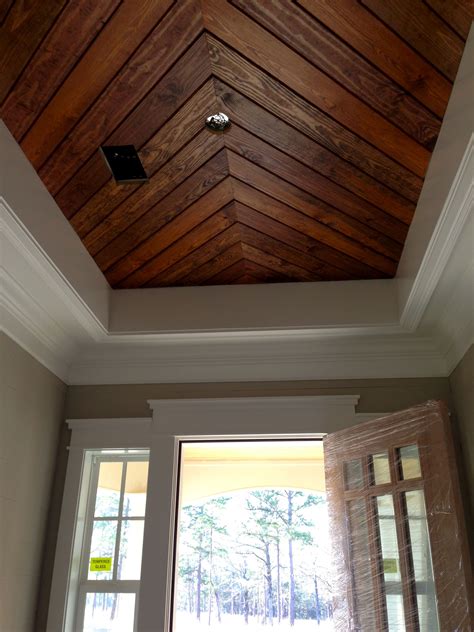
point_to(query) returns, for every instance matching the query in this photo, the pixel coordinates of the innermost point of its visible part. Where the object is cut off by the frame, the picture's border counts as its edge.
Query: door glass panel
(421, 560)
(410, 462)
(131, 544)
(104, 534)
(108, 490)
(379, 468)
(390, 562)
(109, 612)
(362, 586)
(135, 489)
(353, 474)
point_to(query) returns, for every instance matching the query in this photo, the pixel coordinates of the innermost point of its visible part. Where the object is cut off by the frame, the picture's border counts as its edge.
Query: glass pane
(410, 462)
(109, 612)
(135, 488)
(108, 490)
(364, 611)
(390, 562)
(104, 534)
(421, 559)
(131, 543)
(380, 468)
(353, 474)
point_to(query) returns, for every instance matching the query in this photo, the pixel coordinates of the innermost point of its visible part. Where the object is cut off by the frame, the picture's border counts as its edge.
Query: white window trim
(173, 421)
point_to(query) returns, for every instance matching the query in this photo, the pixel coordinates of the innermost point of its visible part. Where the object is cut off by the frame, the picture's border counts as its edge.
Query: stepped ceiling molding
(336, 106)
(91, 328)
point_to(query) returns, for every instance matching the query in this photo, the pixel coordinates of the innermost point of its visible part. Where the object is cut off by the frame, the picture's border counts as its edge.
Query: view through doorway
(253, 546)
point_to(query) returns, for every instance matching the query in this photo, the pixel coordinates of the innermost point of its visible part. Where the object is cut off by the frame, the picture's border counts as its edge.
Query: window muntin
(110, 567)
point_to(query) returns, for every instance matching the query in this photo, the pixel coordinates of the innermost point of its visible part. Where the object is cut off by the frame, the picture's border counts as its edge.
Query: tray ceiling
(335, 107)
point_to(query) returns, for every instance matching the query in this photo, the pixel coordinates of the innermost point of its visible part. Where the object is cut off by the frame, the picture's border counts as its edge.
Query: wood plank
(267, 52)
(246, 279)
(292, 142)
(422, 29)
(203, 255)
(282, 234)
(25, 25)
(459, 14)
(337, 60)
(122, 105)
(165, 258)
(275, 97)
(370, 37)
(282, 165)
(221, 260)
(169, 139)
(337, 229)
(229, 275)
(127, 28)
(265, 274)
(286, 253)
(52, 62)
(302, 224)
(276, 263)
(5, 6)
(192, 156)
(186, 194)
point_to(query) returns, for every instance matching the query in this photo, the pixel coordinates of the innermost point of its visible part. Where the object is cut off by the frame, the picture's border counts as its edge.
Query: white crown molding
(455, 213)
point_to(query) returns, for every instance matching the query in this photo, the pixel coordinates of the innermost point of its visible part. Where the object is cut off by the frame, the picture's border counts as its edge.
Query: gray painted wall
(462, 388)
(31, 412)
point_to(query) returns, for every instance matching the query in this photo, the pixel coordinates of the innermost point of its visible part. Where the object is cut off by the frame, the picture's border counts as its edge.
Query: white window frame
(173, 421)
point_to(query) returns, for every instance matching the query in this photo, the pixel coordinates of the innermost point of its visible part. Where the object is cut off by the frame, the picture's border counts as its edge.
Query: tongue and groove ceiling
(335, 107)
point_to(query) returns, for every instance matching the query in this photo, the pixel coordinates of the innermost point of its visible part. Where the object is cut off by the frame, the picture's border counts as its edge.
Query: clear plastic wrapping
(401, 555)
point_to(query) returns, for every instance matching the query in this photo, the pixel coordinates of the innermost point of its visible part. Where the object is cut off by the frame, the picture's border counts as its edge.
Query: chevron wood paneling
(335, 105)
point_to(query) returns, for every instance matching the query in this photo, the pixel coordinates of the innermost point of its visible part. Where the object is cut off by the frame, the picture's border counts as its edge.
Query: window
(110, 566)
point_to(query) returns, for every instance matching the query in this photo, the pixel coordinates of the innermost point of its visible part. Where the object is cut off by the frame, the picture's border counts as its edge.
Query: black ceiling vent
(124, 163)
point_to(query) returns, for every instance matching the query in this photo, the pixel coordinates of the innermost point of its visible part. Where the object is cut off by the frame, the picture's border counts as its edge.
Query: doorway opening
(253, 547)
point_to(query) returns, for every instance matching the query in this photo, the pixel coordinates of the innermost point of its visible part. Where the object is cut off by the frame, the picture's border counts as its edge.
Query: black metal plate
(124, 163)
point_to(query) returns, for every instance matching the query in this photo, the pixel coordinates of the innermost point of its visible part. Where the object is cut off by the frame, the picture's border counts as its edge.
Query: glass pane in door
(387, 530)
(109, 612)
(421, 561)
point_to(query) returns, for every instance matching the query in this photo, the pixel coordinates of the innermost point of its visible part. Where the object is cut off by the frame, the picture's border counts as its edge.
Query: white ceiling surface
(56, 303)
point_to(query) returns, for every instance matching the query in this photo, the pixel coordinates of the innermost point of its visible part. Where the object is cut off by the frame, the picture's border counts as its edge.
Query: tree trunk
(291, 605)
(199, 582)
(210, 580)
(278, 581)
(316, 597)
(268, 577)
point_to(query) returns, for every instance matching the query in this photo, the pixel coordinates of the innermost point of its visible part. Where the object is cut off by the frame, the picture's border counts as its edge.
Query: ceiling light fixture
(218, 122)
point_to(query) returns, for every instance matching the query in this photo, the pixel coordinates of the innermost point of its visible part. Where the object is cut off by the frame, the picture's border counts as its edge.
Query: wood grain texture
(129, 25)
(323, 49)
(317, 88)
(53, 61)
(104, 124)
(459, 14)
(167, 256)
(334, 229)
(275, 97)
(424, 30)
(370, 37)
(160, 149)
(218, 253)
(262, 124)
(23, 28)
(301, 223)
(335, 108)
(192, 193)
(292, 171)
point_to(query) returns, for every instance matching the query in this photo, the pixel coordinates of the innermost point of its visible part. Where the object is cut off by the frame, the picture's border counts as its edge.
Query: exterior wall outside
(31, 407)
(462, 388)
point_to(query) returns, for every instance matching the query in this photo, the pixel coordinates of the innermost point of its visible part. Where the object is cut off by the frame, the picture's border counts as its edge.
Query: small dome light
(218, 122)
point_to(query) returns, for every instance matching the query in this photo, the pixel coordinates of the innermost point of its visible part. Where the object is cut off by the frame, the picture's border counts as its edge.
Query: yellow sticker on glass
(390, 565)
(100, 564)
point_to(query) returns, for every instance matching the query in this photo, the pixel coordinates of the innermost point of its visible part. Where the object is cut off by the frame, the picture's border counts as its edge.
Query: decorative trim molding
(456, 210)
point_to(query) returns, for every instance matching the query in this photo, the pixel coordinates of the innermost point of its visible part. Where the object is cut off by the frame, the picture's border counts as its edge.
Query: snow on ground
(235, 623)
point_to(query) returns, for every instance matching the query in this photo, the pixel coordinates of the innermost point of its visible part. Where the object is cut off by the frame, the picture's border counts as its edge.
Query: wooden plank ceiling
(335, 107)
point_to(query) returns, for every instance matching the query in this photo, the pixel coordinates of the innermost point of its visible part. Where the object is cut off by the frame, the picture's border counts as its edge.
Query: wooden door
(400, 545)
